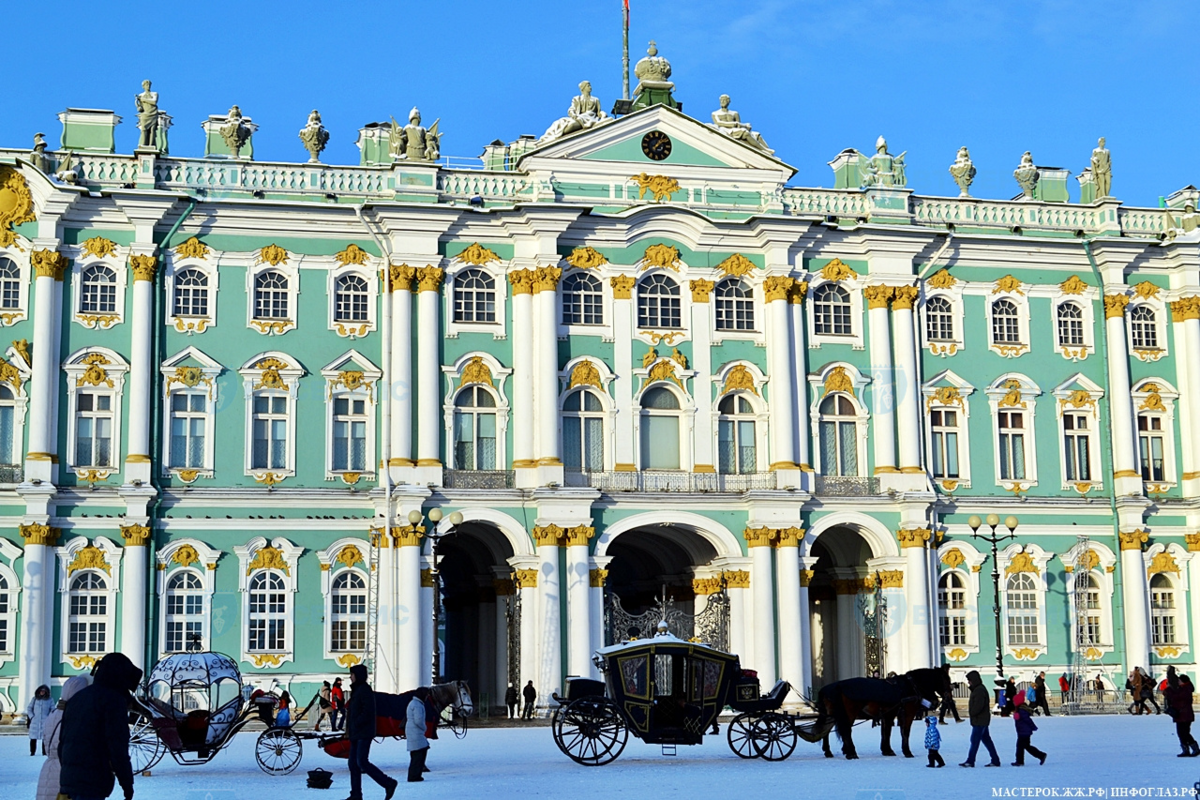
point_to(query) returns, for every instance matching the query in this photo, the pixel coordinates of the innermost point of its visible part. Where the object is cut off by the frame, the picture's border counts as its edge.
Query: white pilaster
(1186, 313)
(37, 604)
(807, 564)
(780, 362)
(907, 382)
(135, 573)
(429, 390)
(545, 303)
(623, 333)
(549, 675)
(425, 620)
(793, 628)
(47, 305)
(579, 615)
(525, 570)
(401, 377)
(762, 593)
(522, 377)
(386, 676)
(143, 266)
(704, 436)
(596, 601)
(1137, 603)
(917, 620)
(1126, 476)
(883, 428)
(848, 635)
(799, 384)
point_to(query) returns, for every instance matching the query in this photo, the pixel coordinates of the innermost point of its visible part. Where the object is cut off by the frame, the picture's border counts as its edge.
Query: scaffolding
(1085, 636)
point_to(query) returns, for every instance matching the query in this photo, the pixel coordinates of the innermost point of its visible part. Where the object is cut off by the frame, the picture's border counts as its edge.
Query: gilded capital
(144, 267)
(135, 535)
(597, 577)
(1193, 542)
(777, 287)
(1114, 305)
(35, 533)
(549, 535)
(401, 276)
(798, 292)
(622, 286)
(429, 279)
(892, 579)
(1186, 308)
(579, 535)
(914, 537)
(525, 578)
(736, 578)
(1133, 540)
(706, 586)
(545, 279)
(701, 289)
(759, 537)
(408, 535)
(521, 280)
(877, 296)
(904, 297)
(789, 537)
(806, 577)
(48, 264)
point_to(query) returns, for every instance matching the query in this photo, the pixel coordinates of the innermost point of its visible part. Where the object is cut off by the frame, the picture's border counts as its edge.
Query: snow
(1096, 753)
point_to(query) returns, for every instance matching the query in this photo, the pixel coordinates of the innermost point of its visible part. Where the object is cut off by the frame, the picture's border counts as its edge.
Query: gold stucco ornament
(16, 204)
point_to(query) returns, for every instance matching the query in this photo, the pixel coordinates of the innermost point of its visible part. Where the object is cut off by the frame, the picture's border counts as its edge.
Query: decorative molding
(1186, 308)
(1021, 562)
(1114, 305)
(1008, 284)
(1167, 651)
(476, 371)
(942, 279)
(1025, 654)
(663, 256)
(477, 255)
(89, 557)
(99, 247)
(891, 578)
(268, 557)
(837, 270)
(272, 254)
(1162, 562)
(193, 248)
(16, 204)
(739, 378)
(1073, 285)
(185, 556)
(353, 254)
(585, 373)
(957, 654)
(660, 186)
(737, 265)
(663, 370)
(144, 267)
(1012, 398)
(1146, 290)
(350, 555)
(701, 289)
(586, 258)
(261, 660)
(839, 381)
(706, 586)
(622, 286)
(946, 396)
(347, 660)
(954, 558)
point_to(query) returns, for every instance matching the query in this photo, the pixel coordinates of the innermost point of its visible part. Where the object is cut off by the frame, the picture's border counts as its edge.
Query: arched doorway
(838, 639)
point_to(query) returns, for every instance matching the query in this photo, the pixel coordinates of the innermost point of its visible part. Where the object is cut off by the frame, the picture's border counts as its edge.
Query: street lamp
(435, 538)
(993, 520)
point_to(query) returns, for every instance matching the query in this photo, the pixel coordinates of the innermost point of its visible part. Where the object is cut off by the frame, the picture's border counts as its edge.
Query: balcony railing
(477, 479)
(670, 481)
(842, 486)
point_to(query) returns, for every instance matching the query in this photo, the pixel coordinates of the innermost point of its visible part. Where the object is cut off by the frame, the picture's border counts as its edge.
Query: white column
(428, 634)
(1186, 313)
(1125, 468)
(704, 437)
(385, 673)
(522, 363)
(549, 674)
(48, 269)
(504, 594)
(37, 605)
(1137, 605)
(907, 383)
(883, 429)
(916, 597)
(143, 267)
(429, 389)
(546, 381)
(135, 573)
(402, 382)
(579, 616)
(807, 563)
(738, 586)
(623, 441)
(411, 616)
(799, 371)
(762, 594)
(780, 381)
(792, 626)
(598, 574)
(526, 581)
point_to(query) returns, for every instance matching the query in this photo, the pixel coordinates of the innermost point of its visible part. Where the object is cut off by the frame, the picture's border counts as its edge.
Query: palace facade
(652, 377)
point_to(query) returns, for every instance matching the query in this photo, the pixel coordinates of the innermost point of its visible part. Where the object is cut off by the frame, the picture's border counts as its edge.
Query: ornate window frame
(743, 378)
(103, 371)
(954, 397)
(352, 330)
(352, 376)
(1016, 295)
(953, 294)
(962, 558)
(1153, 300)
(671, 336)
(1078, 394)
(19, 257)
(686, 414)
(337, 559)
(195, 556)
(188, 324)
(588, 372)
(757, 304)
(497, 271)
(604, 329)
(850, 382)
(1000, 395)
(177, 377)
(1157, 396)
(1172, 560)
(1033, 559)
(113, 261)
(11, 553)
(853, 285)
(288, 267)
(477, 368)
(104, 559)
(279, 556)
(1101, 568)
(1086, 301)
(267, 372)
(17, 373)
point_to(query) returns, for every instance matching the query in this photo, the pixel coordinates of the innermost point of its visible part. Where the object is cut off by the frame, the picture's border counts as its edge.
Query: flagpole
(625, 57)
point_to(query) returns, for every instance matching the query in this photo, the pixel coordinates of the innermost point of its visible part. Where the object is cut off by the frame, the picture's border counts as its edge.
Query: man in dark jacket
(93, 743)
(1178, 700)
(1039, 683)
(979, 709)
(530, 695)
(510, 700)
(360, 728)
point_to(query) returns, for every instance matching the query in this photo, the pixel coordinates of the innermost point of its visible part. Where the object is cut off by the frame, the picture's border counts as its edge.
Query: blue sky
(814, 77)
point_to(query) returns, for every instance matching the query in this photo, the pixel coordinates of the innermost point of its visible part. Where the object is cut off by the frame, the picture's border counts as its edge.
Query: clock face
(656, 145)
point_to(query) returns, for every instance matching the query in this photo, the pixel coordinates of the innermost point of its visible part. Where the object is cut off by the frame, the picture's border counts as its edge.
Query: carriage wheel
(145, 748)
(278, 751)
(741, 737)
(774, 737)
(590, 731)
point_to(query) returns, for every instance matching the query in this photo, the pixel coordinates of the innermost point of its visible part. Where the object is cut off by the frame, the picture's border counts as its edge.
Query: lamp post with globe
(993, 521)
(435, 537)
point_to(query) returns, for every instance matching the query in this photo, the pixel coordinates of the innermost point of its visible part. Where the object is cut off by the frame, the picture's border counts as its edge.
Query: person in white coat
(35, 717)
(414, 735)
(47, 788)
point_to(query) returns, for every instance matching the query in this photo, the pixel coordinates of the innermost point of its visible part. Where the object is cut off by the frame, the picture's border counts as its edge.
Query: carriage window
(348, 621)
(88, 622)
(706, 679)
(664, 674)
(268, 613)
(185, 612)
(633, 676)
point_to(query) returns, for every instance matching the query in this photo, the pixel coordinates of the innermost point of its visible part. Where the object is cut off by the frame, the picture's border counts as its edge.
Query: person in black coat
(93, 743)
(530, 695)
(1010, 691)
(360, 728)
(510, 700)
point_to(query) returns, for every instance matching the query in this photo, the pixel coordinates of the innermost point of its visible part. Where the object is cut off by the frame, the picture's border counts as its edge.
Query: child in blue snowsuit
(933, 740)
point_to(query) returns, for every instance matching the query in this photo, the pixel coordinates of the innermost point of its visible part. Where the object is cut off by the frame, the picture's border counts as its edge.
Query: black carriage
(668, 691)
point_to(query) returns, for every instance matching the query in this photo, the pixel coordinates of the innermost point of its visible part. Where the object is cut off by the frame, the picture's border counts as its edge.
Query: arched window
(831, 310)
(93, 429)
(191, 293)
(583, 432)
(1006, 323)
(348, 613)
(350, 424)
(185, 613)
(10, 284)
(87, 621)
(582, 300)
(475, 429)
(1022, 601)
(735, 306)
(189, 420)
(1143, 327)
(271, 295)
(952, 609)
(1070, 325)
(939, 320)
(270, 427)
(1151, 447)
(1162, 611)
(1093, 609)
(6, 608)
(268, 613)
(474, 296)
(839, 436)
(8, 430)
(660, 429)
(351, 296)
(98, 290)
(658, 303)
(737, 449)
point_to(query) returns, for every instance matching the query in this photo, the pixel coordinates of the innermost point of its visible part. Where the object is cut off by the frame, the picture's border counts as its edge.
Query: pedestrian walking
(530, 695)
(93, 744)
(1148, 692)
(414, 737)
(338, 698)
(948, 706)
(47, 788)
(510, 700)
(283, 715)
(360, 729)
(1064, 686)
(1010, 691)
(1178, 701)
(35, 717)
(324, 706)
(1023, 719)
(1039, 686)
(933, 741)
(1100, 688)
(979, 712)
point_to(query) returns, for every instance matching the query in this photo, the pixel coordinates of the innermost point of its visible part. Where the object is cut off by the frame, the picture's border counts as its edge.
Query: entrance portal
(839, 649)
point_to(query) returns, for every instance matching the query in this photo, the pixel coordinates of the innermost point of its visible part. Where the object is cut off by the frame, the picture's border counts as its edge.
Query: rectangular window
(1150, 445)
(349, 434)
(583, 444)
(7, 434)
(1077, 447)
(660, 442)
(267, 622)
(188, 425)
(269, 448)
(944, 427)
(93, 430)
(1012, 445)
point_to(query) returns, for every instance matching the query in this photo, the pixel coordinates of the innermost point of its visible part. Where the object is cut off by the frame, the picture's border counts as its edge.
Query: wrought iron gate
(872, 613)
(710, 625)
(512, 617)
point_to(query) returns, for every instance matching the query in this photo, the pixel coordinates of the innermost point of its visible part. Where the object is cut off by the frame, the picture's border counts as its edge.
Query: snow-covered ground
(1092, 754)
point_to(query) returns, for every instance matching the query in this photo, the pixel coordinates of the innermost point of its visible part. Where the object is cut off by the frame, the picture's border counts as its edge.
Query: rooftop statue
(64, 172)
(147, 116)
(235, 132)
(729, 122)
(1182, 223)
(963, 172)
(653, 68)
(584, 113)
(38, 158)
(414, 142)
(314, 136)
(1102, 170)
(882, 169)
(1027, 176)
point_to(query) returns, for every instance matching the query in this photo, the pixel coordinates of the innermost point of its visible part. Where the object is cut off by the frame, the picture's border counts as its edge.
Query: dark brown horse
(907, 697)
